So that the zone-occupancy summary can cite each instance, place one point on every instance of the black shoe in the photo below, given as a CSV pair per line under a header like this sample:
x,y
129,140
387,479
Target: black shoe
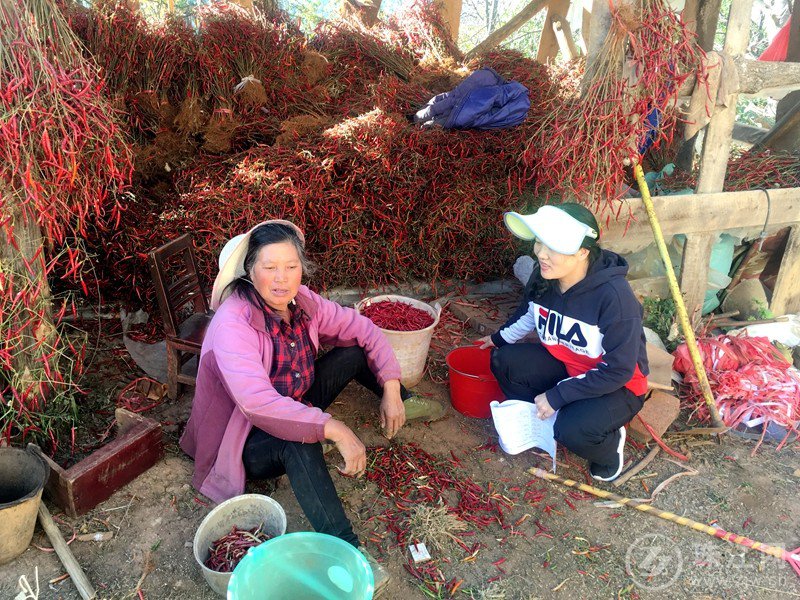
x,y
611,472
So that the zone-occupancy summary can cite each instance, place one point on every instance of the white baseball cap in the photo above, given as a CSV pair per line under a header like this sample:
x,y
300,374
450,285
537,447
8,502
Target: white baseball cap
x,y
553,227
231,259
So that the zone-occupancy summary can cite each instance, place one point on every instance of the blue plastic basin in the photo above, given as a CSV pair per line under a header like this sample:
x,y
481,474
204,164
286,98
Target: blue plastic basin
x,y
302,565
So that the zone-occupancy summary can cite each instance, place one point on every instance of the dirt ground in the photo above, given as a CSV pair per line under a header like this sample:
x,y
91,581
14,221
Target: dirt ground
x,y
585,551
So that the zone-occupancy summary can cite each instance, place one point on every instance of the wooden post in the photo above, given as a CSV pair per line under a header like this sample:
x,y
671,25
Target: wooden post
x,y
707,17
18,262
72,566
586,25
548,43
793,52
714,162
499,35
451,13
719,133
564,36
599,26
785,298
702,16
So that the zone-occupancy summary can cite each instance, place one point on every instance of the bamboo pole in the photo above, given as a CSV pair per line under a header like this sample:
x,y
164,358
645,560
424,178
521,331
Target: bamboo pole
x,y
791,557
680,307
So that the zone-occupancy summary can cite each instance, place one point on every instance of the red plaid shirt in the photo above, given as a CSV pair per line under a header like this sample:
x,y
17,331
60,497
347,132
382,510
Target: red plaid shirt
x,y
292,370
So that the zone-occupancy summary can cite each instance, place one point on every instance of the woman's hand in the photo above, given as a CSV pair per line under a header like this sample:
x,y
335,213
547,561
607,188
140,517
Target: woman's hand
x,y
393,413
349,446
485,342
543,408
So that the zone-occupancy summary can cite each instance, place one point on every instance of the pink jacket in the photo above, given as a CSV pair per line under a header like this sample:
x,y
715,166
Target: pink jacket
x,y
234,392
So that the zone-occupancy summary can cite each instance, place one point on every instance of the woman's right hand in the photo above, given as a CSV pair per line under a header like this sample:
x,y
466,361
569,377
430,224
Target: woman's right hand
x,y
484,342
349,446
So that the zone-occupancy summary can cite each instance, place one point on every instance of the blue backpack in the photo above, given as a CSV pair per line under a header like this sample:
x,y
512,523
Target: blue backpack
x,y
484,100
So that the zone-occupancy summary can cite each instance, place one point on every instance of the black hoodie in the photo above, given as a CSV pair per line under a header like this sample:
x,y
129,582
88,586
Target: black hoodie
x,y
594,328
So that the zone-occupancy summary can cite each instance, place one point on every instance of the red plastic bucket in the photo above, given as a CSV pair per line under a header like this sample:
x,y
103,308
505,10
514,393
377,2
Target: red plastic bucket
x,y
472,385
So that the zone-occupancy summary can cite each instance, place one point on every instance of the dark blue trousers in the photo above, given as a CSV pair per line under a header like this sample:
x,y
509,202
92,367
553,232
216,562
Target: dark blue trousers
x,y
267,456
588,427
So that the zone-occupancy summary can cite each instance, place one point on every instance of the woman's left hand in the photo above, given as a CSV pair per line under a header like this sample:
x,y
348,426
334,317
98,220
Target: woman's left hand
x,y
393,413
543,408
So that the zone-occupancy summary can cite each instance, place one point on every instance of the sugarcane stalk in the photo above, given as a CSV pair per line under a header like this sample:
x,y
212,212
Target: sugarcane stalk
x,y
791,557
680,307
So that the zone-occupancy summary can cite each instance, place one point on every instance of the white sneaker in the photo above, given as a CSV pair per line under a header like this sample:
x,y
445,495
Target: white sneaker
x,y
611,472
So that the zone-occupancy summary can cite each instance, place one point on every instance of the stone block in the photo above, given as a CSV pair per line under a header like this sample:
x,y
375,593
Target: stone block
x,y
659,411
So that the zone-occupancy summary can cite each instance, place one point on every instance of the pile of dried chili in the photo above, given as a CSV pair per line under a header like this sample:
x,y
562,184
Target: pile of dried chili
x,y
397,316
227,551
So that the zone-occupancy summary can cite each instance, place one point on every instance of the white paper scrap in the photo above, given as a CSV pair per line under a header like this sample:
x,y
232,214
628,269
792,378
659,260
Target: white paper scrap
x,y
419,552
520,429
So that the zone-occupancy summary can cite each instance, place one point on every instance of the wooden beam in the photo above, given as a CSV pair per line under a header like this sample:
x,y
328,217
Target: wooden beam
x,y
364,10
564,37
767,78
499,35
758,78
786,295
702,213
451,13
548,43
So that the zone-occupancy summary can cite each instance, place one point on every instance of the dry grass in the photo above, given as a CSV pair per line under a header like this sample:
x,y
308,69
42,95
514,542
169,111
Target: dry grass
x,y
434,526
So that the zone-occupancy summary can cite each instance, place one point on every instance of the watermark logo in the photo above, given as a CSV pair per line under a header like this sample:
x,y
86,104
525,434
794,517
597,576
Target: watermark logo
x,y
654,562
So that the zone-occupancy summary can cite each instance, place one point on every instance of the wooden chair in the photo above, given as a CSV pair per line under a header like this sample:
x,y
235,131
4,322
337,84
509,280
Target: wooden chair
x,y
184,307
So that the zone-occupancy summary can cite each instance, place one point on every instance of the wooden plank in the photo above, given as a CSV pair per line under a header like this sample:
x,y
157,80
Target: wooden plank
x,y
137,447
785,133
548,43
504,32
702,213
694,271
786,295
115,465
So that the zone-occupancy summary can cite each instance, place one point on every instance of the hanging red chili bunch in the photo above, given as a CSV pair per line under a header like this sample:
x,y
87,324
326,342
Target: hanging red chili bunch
x,y
64,169
582,149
